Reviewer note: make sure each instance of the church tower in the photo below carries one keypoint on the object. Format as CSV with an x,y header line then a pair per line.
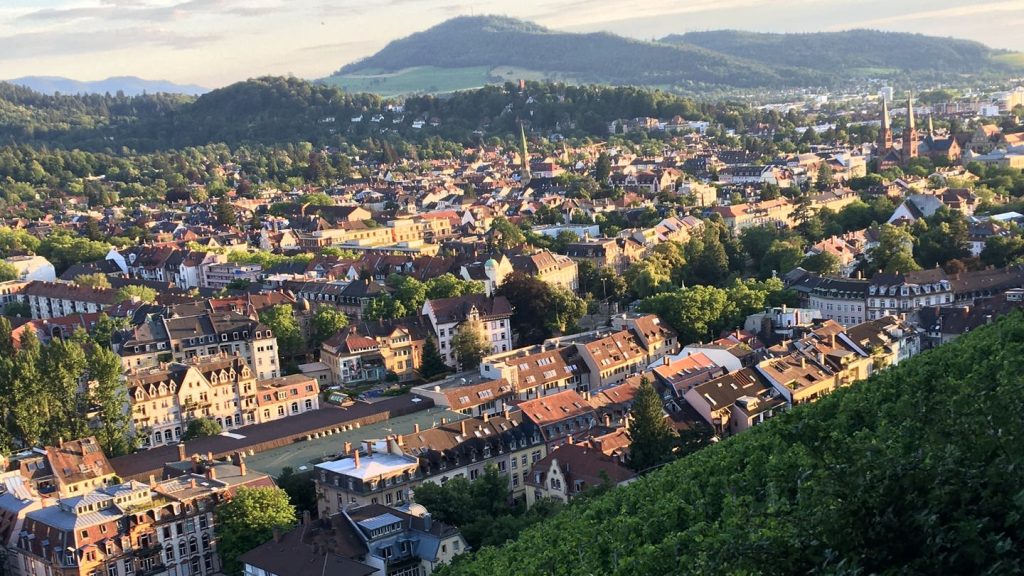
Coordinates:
x,y
885,136
524,171
910,133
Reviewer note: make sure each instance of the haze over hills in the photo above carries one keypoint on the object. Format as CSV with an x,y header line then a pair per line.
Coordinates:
x,y
466,52
129,85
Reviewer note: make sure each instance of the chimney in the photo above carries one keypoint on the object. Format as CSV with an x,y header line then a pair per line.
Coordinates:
x,y
192,483
462,426
416,428
355,458
803,362
346,448
277,534
427,521
241,464
306,518
196,468
832,340
487,416
211,473
182,456
209,456
665,361
152,481
505,411
569,440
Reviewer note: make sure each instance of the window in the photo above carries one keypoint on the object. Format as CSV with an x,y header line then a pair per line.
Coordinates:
x,y
112,570
193,545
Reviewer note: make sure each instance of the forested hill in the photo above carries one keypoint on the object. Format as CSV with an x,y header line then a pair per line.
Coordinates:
x,y
276,110
852,52
914,471
467,52
527,49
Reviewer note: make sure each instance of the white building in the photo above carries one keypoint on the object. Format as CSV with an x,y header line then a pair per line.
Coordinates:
x,y
33,268
448,315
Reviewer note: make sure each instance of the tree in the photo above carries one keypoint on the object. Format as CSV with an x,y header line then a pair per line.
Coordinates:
x,y
566,310
27,385
532,299
385,307
505,235
782,256
327,321
448,286
281,321
824,180
94,280
63,363
226,215
248,519
201,427
18,309
136,292
603,168
7,271
651,437
470,344
109,396
409,291
895,250
431,363
825,263
696,313
299,487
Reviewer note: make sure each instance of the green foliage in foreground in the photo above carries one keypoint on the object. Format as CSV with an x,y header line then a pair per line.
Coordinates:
x,y
915,470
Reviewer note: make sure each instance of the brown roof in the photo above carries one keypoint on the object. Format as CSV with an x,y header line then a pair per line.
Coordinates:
x,y
78,461
556,407
457,309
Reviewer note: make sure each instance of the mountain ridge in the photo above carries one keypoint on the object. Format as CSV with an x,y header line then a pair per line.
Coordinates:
x,y
493,49
129,85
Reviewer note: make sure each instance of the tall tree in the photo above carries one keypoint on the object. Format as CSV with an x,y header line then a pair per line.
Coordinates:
x,y
327,321
226,215
470,344
94,280
29,391
109,396
651,437
281,320
431,363
64,364
249,519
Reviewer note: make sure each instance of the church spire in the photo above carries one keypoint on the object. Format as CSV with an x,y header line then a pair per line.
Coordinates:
x,y
885,136
931,127
910,133
910,111
524,172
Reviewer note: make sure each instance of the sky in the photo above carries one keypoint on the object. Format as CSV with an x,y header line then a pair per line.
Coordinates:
x,y
216,42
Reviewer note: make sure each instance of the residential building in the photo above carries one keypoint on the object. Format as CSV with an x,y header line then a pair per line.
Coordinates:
x,y
571,470
31,268
449,315
285,396
222,275
561,416
610,359
371,350
736,401
54,300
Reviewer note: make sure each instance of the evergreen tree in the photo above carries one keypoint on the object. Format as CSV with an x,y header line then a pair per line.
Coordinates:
x,y
651,437
431,363
226,212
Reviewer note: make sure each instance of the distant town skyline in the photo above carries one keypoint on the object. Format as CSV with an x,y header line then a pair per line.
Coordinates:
x,y
217,42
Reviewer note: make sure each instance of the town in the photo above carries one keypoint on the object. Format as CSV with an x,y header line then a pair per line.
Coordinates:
x,y
372,359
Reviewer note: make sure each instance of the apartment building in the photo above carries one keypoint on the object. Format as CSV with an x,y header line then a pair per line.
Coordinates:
x,y
54,299
164,399
371,350
612,358
387,471
448,315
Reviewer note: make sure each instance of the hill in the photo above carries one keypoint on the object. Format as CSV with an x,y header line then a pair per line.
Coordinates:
x,y
468,52
497,48
913,471
853,52
128,85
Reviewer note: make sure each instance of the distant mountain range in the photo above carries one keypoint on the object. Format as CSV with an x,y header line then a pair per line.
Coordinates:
x,y
466,52
130,85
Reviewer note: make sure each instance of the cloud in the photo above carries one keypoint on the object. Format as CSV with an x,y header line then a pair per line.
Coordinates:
x,y
30,45
982,9
139,11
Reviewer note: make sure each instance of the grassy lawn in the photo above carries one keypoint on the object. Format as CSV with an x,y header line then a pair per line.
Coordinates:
x,y
428,79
